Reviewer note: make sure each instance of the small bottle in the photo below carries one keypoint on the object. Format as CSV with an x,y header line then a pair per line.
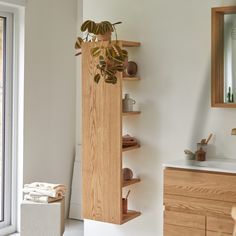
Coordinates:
x,y
200,155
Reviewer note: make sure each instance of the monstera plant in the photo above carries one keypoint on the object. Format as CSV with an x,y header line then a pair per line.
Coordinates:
x,y
111,57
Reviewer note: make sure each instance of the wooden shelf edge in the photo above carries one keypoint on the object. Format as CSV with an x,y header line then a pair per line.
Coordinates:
x,y
126,43
130,148
131,113
126,78
130,216
130,182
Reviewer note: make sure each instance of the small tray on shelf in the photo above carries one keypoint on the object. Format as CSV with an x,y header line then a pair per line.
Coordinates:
x,y
124,149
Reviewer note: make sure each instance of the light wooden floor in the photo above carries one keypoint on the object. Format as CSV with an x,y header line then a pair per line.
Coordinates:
x,y
73,228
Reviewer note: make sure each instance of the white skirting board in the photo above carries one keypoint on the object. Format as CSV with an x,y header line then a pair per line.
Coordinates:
x,y
76,188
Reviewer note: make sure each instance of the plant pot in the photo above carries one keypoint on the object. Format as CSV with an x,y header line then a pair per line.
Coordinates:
x,y
104,37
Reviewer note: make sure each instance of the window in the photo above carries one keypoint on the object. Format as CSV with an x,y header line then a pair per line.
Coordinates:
x,y
11,110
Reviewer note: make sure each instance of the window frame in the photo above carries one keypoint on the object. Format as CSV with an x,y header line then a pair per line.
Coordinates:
x,y
15,87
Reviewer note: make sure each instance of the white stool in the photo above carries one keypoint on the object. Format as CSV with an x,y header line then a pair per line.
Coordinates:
x,y
42,219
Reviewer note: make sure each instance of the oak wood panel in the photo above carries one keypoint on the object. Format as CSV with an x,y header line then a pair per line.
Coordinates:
x,y
212,233
102,145
185,219
173,230
197,205
220,224
203,185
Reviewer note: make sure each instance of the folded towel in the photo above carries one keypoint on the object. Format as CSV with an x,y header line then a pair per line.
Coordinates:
x,y
46,186
44,192
41,199
50,193
39,192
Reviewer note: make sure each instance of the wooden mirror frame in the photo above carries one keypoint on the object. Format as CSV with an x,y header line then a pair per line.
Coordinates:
x,y
217,56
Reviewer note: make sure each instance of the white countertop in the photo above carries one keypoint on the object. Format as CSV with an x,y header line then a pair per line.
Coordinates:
x,y
216,165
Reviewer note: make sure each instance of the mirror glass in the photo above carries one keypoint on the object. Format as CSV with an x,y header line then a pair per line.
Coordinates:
x,y
230,58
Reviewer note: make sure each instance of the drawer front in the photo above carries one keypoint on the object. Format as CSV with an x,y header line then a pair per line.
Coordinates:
x,y
173,230
197,205
220,224
200,184
184,219
211,233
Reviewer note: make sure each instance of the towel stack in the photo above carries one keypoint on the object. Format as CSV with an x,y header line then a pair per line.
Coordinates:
x,y
44,192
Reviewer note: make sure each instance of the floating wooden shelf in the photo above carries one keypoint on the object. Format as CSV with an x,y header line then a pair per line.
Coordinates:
x,y
130,182
130,148
131,113
131,78
130,215
125,43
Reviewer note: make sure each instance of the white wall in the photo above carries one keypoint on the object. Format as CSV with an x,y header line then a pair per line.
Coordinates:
x,y
50,91
174,96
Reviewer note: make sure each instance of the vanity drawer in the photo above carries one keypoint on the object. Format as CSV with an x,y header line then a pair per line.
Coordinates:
x,y
220,224
173,230
211,233
184,219
198,184
197,206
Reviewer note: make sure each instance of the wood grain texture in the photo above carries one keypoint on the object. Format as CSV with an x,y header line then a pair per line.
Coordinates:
x,y
185,219
173,230
211,186
220,224
198,206
102,145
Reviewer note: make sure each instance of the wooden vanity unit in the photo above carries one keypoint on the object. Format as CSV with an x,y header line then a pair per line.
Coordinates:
x,y
198,203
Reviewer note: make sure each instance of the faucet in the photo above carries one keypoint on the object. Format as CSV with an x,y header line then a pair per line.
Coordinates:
x,y
233,131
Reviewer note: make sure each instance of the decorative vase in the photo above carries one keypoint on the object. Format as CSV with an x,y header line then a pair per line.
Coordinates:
x,y
128,103
131,69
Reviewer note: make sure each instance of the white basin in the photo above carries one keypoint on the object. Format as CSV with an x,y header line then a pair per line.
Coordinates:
x,y
226,164
216,165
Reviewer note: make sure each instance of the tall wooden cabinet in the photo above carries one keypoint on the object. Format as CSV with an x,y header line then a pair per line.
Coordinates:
x,y
102,144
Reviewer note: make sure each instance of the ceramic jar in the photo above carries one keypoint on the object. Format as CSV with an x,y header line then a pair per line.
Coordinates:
x,y
128,103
